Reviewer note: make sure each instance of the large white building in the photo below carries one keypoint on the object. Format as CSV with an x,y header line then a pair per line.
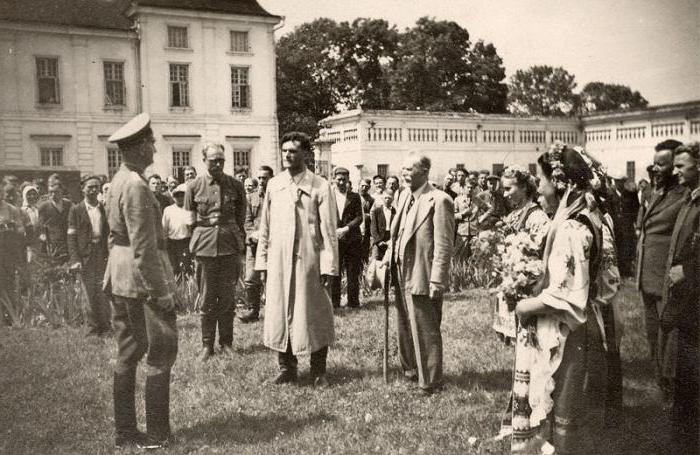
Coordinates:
x,y
375,142
73,71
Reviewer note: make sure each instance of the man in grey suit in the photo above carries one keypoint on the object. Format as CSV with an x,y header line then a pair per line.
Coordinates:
x,y
654,241
421,248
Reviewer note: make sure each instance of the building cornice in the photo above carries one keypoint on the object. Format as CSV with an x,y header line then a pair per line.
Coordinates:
x,y
441,116
36,27
191,14
689,109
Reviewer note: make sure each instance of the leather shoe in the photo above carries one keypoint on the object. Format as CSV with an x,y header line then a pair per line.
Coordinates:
x,y
151,443
206,354
285,377
321,382
251,315
410,375
129,440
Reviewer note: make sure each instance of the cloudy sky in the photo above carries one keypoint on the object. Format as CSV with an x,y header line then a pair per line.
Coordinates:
x,y
651,45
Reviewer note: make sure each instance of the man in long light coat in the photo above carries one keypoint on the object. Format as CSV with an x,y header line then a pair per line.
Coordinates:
x,y
421,248
298,250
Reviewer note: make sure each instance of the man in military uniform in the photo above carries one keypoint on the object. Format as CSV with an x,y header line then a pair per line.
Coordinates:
x,y
252,281
140,280
217,206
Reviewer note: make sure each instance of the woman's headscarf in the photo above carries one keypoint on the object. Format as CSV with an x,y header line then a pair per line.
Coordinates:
x,y
25,192
31,210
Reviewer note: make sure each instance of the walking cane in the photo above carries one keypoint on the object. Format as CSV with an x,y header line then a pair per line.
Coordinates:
x,y
385,360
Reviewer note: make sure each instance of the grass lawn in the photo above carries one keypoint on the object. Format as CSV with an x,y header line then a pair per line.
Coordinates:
x,y
55,392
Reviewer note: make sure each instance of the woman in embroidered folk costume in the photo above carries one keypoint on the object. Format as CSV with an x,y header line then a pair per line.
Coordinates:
x,y
520,190
560,372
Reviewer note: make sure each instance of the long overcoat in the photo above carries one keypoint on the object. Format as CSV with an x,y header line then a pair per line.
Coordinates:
x,y
297,243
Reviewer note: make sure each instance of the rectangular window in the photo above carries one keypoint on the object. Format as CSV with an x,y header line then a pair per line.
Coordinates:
x,y
532,167
51,156
179,90
239,42
240,88
631,170
383,170
47,80
114,84
460,166
241,159
498,169
114,160
177,37
181,159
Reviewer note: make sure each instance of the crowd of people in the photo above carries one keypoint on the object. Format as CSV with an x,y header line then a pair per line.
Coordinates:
x,y
292,236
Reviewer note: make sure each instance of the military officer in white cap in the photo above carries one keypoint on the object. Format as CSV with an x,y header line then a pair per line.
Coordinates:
x,y
140,279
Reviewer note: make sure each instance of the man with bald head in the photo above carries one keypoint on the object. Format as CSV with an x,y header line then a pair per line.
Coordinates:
x,y
654,241
422,235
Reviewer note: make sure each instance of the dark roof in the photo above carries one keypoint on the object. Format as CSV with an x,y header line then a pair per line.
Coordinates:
x,y
80,13
110,14
245,7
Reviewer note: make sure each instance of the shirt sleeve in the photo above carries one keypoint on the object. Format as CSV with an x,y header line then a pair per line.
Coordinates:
x,y
568,270
189,204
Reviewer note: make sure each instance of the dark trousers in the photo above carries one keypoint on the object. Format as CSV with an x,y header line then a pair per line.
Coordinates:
x,y
98,311
651,322
350,255
420,340
686,400
252,282
288,362
179,255
142,327
217,286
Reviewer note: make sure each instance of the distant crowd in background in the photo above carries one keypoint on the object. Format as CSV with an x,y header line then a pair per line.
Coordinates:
x,y
648,230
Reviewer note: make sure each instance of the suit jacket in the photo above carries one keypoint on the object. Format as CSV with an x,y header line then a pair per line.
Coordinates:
x,y
80,244
378,229
352,217
679,301
252,213
54,225
138,265
426,244
657,226
367,205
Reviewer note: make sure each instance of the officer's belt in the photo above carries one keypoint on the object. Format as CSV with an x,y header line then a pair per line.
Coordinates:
x,y
214,221
124,241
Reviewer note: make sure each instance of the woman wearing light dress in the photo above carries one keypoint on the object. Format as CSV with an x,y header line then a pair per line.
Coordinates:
x,y
526,215
560,379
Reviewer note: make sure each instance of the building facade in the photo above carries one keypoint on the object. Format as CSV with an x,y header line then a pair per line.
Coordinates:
x,y
74,71
375,142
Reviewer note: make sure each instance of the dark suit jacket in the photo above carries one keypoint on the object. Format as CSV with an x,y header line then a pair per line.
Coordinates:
x,y
655,238
80,244
352,217
367,205
378,228
54,225
680,301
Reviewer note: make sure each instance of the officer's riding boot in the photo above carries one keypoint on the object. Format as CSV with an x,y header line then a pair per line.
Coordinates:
x,y
208,334
158,408
252,314
124,409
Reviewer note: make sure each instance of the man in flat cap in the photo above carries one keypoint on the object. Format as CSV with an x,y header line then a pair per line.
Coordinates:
x,y
216,202
298,249
140,279
349,207
495,203
87,246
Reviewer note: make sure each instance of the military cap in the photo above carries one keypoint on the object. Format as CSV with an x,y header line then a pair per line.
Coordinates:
x,y
181,188
340,170
134,128
493,177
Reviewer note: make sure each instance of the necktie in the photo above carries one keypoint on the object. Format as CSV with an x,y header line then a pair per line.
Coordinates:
x,y
410,204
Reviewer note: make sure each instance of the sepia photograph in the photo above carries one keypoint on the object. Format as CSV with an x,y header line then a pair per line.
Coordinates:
x,y
371,227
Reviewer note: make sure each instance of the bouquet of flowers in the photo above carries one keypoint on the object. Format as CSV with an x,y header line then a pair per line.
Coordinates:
x,y
521,271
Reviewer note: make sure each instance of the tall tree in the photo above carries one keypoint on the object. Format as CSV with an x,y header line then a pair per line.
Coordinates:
x,y
368,55
488,94
308,81
542,90
600,96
